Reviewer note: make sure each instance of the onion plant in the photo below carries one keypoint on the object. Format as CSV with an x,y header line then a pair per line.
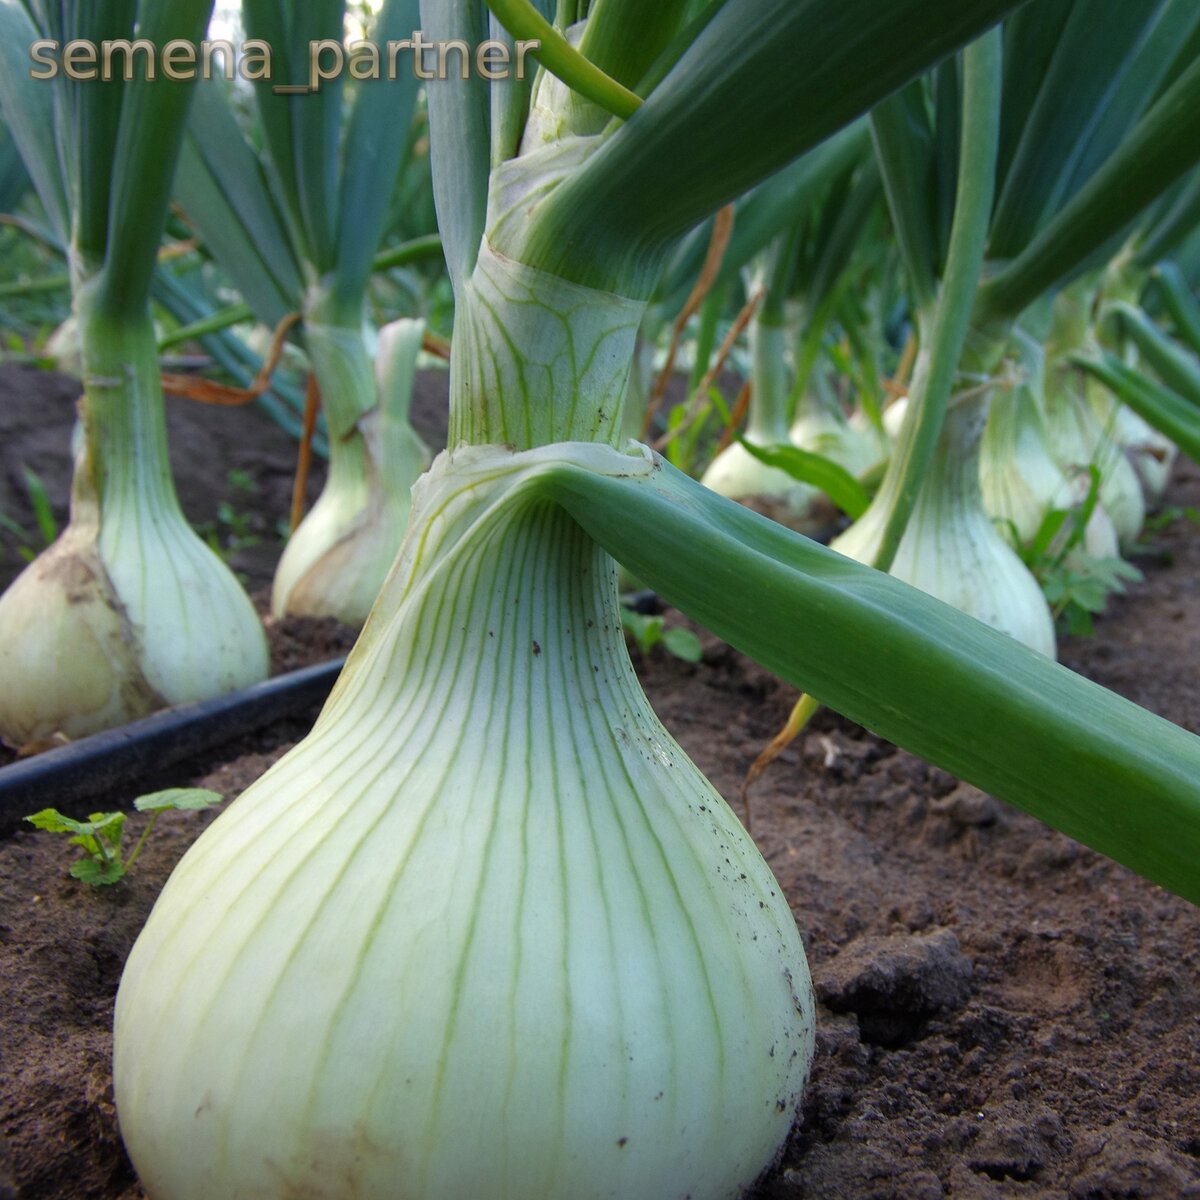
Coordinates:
x,y
1023,142
489,892
1151,369
1021,480
128,610
1164,387
296,226
950,547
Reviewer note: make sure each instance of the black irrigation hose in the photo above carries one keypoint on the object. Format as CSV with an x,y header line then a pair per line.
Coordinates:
x,y
94,765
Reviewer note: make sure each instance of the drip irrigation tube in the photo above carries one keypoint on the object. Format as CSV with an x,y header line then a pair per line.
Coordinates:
x,y
64,777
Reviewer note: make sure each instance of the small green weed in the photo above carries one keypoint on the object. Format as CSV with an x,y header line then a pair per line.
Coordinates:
x,y
646,632
233,529
1166,517
101,835
28,547
1076,585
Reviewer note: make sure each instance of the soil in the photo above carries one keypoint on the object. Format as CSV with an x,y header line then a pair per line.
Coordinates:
x,y
1003,1013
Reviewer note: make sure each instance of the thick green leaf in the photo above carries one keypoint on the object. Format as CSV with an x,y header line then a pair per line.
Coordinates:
x,y
1167,411
316,128
779,271
245,245
1187,258
1184,54
268,252
944,331
835,481
866,347
14,178
1178,369
624,37
765,212
837,243
1175,23
1180,303
1172,226
1100,39
1162,148
1031,36
765,81
916,671
509,102
555,53
903,137
27,105
267,21
947,126
239,195
373,152
460,132
696,19
142,163
89,118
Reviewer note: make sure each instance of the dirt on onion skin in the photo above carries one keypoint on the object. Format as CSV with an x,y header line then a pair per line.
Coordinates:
x,y
1003,1013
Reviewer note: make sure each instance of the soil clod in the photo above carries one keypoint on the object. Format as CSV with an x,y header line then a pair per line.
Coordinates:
x,y
895,984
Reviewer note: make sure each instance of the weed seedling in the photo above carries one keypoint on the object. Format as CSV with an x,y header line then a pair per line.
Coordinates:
x,y
1076,585
648,631
39,500
101,835
233,529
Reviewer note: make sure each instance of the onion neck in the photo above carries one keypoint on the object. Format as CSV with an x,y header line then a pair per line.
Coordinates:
x,y
124,463
518,591
952,484
980,361
337,351
537,359
768,419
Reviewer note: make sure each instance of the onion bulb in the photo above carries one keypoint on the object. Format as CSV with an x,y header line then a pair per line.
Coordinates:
x,y
951,549
1078,440
486,931
128,610
1020,480
735,472
337,558
821,427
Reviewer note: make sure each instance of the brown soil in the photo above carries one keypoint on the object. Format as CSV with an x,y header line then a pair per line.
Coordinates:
x,y
1004,1014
